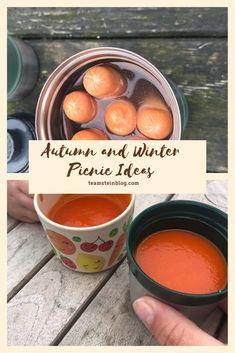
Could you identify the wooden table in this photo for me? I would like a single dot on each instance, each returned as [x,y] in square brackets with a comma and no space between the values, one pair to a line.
[49,304]
[187,44]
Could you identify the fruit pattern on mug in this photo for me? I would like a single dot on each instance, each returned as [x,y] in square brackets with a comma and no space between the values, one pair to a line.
[113,232]
[117,249]
[92,246]
[87,262]
[54,249]
[127,224]
[61,243]
[68,262]
[90,263]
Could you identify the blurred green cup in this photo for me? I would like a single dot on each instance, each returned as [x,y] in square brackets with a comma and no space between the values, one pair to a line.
[22,69]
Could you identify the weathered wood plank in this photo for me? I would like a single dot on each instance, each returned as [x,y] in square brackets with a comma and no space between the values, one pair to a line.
[215,195]
[53,295]
[11,223]
[199,66]
[27,245]
[79,311]
[30,275]
[109,320]
[119,324]
[117,22]
[146,200]
[41,309]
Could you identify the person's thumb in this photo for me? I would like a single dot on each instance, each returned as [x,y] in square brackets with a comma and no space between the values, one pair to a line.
[169,326]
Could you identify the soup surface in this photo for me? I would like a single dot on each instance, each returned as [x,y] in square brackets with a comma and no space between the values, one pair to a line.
[182,261]
[88,210]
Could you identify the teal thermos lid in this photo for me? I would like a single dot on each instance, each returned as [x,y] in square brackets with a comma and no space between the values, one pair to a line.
[22,69]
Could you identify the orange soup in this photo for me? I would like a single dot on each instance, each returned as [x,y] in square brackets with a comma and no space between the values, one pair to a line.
[182,261]
[88,210]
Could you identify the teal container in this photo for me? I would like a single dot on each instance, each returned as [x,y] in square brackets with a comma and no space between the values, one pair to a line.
[22,69]
[182,103]
[193,216]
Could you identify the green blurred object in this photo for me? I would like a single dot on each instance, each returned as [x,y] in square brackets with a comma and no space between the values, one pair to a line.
[14,66]
[182,102]
[193,216]
[22,69]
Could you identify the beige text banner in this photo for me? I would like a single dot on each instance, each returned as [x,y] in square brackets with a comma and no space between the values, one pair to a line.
[117,166]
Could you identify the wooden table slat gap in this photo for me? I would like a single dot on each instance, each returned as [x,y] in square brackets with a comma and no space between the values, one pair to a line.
[13,225]
[116,21]
[168,35]
[105,322]
[169,197]
[84,306]
[30,275]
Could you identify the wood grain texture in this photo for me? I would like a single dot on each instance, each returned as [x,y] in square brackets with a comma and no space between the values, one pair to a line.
[109,320]
[11,223]
[42,308]
[216,195]
[146,200]
[26,246]
[117,22]
[53,295]
[25,279]
[119,325]
[198,66]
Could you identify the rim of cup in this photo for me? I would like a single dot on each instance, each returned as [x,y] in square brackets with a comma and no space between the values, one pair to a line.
[152,285]
[84,229]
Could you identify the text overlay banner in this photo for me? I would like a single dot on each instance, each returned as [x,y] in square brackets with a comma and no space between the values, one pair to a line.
[117,166]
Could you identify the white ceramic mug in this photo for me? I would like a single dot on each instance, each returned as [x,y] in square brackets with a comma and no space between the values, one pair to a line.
[85,249]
